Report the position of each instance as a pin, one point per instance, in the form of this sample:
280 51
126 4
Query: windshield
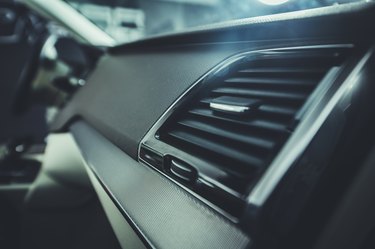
129 20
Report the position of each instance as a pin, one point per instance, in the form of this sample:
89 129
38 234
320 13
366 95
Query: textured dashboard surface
134 84
181 223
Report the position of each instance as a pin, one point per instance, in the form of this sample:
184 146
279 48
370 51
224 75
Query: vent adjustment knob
182 170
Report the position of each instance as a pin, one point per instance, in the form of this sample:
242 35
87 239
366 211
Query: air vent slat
294 61
280 110
286 82
282 70
315 57
233 135
261 94
277 109
205 144
253 123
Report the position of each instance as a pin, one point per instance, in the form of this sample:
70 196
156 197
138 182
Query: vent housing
225 133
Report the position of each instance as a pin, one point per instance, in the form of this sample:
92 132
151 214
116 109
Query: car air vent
224 135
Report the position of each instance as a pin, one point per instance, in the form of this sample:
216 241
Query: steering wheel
20 50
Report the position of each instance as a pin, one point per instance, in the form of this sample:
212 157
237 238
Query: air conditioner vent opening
236 122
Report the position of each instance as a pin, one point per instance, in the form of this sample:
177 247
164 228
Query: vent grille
236 121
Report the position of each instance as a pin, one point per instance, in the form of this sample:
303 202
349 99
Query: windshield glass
129 20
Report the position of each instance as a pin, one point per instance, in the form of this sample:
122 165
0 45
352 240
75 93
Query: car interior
253 132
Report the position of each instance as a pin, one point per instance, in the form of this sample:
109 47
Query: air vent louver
235 122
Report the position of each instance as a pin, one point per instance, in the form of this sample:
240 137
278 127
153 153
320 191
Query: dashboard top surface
134 84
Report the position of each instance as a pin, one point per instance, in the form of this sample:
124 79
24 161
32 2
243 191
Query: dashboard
244 134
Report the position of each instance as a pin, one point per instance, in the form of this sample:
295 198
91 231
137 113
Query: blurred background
129 20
